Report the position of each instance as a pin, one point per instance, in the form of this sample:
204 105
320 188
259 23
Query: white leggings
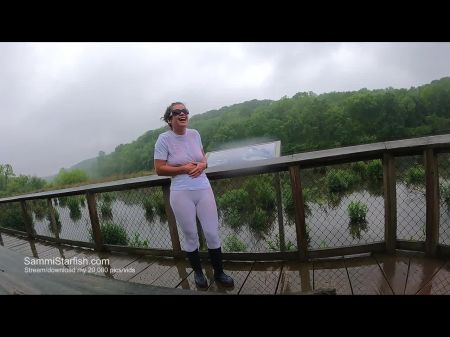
186 205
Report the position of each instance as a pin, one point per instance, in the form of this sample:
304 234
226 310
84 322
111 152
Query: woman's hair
167 115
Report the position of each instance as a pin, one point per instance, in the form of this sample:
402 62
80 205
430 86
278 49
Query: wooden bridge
401 260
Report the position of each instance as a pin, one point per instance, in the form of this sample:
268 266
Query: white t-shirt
178 150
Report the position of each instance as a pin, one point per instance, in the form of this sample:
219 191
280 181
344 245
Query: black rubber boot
199 277
216 261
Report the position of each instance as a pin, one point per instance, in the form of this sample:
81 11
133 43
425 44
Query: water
328 226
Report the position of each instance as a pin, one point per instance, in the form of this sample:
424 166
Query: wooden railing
428 147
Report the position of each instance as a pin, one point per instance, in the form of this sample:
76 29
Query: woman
179 154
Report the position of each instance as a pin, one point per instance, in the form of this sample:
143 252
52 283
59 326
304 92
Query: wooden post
28 220
95 223
53 223
390 203
171 220
276 182
432 202
300 224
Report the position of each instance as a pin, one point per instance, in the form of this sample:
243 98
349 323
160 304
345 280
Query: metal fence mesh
40 214
344 204
251 213
411 202
444 195
11 216
134 218
72 218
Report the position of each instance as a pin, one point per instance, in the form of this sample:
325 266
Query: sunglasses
178 112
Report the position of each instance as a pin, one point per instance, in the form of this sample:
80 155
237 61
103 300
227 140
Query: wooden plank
143 251
277 186
178 272
443 251
332 275
439 284
263 278
296 277
14 280
395 269
95 223
390 202
134 268
299 209
153 271
366 277
432 202
174 237
239 271
411 245
306 160
189 283
421 271
13 231
66 241
348 250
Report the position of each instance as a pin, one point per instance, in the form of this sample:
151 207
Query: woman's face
179 120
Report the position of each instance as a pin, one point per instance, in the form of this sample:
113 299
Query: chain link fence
344 204
444 195
72 218
411 198
252 216
135 218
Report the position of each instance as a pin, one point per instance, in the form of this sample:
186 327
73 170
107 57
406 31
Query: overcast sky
61 103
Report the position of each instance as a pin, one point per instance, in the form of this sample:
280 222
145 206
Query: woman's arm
164 169
200 166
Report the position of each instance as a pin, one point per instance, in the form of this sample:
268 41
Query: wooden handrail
412 146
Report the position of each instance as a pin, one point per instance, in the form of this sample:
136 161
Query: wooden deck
402 273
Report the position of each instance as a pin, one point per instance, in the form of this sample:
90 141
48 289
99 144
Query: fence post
390 203
276 182
28 220
53 223
299 209
432 202
95 223
171 220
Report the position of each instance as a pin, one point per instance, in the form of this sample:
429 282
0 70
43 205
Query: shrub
445 194
74 208
375 171
275 245
415 176
233 244
340 180
137 242
357 211
11 216
113 234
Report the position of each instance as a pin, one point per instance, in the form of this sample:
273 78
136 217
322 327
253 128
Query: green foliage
136 241
154 205
11 216
113 234
75 176
251 204
357 211
445 194
233 244
415 176
73 203
356 229
105 201
375 170
340 180
276 246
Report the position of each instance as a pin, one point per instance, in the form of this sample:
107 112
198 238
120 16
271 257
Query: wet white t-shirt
178 150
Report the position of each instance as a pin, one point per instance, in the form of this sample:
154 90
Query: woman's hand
198 168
